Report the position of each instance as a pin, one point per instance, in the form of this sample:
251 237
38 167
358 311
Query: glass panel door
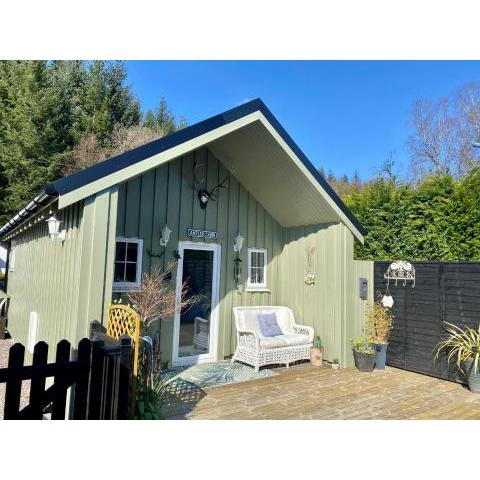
195 330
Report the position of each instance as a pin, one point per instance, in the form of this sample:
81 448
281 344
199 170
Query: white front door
195 336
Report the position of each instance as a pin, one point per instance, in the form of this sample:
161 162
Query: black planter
363 361
472 377
380 355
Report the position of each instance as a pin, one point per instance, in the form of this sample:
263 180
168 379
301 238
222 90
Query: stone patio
306 392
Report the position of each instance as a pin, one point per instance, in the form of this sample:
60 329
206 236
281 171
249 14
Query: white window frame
257 287
126 286
11 259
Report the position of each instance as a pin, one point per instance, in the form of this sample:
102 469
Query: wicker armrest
248 339
304 330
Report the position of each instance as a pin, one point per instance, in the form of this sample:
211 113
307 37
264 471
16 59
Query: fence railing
99 378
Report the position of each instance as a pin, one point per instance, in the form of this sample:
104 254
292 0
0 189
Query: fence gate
99 378
444 291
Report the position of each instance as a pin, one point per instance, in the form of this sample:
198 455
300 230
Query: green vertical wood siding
67 283
70 283
45 280
332 306
166 195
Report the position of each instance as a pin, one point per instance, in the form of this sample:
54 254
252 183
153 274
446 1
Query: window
257 269
128 264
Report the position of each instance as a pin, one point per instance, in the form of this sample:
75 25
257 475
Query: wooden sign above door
194 233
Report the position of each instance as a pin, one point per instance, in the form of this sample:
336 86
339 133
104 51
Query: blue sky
344 115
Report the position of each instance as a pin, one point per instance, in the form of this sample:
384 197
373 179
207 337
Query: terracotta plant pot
316 356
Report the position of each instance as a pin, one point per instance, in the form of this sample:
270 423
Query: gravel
4 349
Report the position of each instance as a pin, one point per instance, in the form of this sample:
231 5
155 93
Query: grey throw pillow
268 324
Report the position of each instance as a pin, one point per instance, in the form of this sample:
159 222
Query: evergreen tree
46 108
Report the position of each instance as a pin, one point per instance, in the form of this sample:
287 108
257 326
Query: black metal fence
444 291
99 379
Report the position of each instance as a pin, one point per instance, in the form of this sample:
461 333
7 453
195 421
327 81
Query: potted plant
463 345
363 354
336 364
379 325
316 353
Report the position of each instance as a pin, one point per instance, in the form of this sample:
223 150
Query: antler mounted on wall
204 195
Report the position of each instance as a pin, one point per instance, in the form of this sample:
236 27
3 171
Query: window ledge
257 289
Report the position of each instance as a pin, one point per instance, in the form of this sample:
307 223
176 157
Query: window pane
131 272
132 252
120 251
260 259
260 275
118 275
254 260
253 275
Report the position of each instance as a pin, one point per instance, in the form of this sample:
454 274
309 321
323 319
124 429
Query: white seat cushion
283 340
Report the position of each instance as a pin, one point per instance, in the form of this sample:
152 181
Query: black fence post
14 381
124 383
62 359
37 386
80 402
95 394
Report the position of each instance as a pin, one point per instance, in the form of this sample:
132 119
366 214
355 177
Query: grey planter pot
363 361
472 377
380 355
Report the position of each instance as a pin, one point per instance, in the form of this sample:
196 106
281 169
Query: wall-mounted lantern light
237 246
54 229
165 236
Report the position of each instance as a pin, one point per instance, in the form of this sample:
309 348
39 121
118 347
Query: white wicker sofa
254 349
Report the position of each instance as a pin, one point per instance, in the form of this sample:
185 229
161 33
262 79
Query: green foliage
363 345
438 219
462 344
48 108
147 407
336 361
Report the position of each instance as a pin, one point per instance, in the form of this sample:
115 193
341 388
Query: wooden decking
306 392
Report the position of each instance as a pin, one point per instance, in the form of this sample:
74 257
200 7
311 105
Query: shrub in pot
379 325
316 353
463 346
363 354
336 364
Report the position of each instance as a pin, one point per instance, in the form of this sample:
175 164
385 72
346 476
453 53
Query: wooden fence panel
444 291
37 385
99 379
14 384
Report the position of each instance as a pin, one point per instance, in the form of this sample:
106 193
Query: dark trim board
65 185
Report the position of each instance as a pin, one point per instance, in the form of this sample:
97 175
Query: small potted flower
463 345
316 353
379 325
336 364
363 354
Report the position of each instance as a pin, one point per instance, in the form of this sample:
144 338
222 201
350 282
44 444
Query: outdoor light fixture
165 236
54 229
237 246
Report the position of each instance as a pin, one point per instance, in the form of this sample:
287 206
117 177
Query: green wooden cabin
116 216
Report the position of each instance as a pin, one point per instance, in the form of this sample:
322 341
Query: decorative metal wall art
309 275
400 270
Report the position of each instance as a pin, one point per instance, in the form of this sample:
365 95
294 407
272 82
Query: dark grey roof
72 182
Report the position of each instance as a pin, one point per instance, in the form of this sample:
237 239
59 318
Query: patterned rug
209 375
